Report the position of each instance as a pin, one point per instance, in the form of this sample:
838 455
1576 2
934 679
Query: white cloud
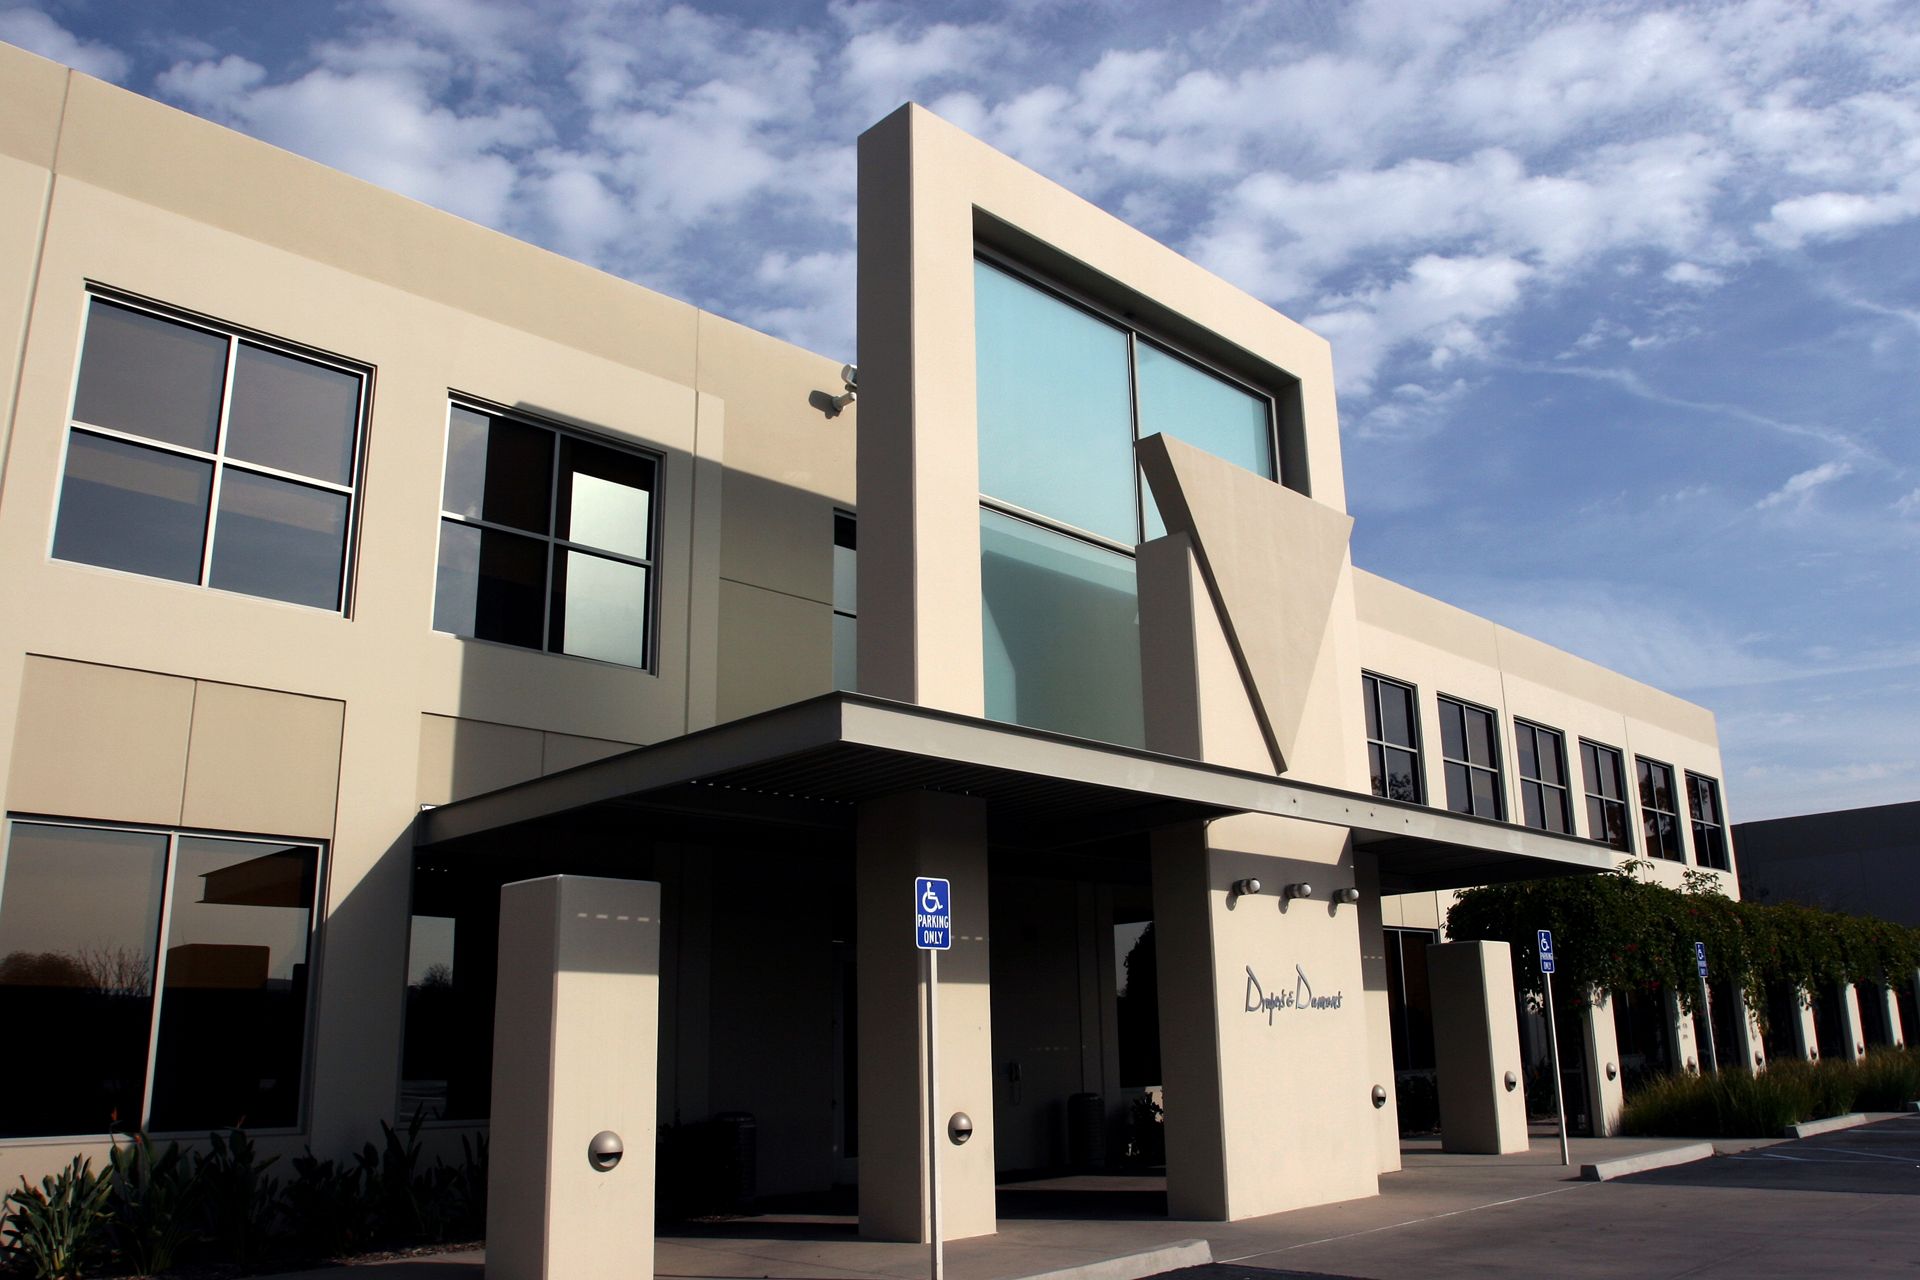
36 32
1800 486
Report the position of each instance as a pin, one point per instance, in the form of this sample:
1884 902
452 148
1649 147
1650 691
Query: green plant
54 1229
467 1191
409 1201
240 1206
1889 1080
154 1201
326 1208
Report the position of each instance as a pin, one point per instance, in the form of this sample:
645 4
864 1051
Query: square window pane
1062 633
278 539
293 415
125 506
499 470
1055 405
79 915
151 377
233 1009
491 585
599 608
606 498
1203 409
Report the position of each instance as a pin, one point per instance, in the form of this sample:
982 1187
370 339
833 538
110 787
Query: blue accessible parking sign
932 914
1545 939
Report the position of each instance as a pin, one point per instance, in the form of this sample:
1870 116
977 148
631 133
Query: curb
1607 1170
1813 1128
1135 1266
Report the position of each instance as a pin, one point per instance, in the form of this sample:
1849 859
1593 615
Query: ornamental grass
1743 1104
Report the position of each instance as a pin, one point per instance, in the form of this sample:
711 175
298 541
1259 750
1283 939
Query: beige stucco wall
133 699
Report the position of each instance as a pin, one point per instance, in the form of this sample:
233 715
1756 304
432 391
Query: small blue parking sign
1700 957
932 914
1545 938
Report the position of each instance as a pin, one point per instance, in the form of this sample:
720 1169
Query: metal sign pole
1559 1091
933 1114
1706 1003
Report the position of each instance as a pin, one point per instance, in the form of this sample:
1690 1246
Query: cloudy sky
1625 300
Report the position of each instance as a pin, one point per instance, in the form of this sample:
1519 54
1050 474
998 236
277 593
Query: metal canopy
811 763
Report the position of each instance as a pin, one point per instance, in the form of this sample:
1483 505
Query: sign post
1544 937
932 934
1706 1002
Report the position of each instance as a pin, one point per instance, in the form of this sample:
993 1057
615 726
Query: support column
923 833
1853 1036
1750 1048
1806 1035
575 1055
1605 1095
1890 1002
1686 1051
1476 1048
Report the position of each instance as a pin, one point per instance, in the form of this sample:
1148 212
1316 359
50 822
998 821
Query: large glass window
846 601
1606 780
1064 393
1061 622
1659 810
1393 744
1709 828
168 971
546 540
206 457
1470 746
1544 794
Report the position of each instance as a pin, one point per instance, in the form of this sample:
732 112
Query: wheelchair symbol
930 900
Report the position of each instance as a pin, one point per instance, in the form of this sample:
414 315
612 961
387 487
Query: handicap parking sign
1545 939
932 914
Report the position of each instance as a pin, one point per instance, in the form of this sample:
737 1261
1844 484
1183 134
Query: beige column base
1476 1046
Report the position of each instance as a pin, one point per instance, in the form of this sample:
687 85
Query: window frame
1593 797
1372 691
1495 768
1647 810
849 521
234 335
316 917
551 540
1718 826
1134 333
1564 786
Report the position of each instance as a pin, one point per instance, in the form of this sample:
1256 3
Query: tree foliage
1618 932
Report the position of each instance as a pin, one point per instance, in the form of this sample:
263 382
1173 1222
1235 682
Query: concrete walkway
1442 1215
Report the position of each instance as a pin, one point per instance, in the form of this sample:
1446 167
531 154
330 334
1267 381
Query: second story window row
1544 793
1606 780
1470 745
1393 747
1659 810
1709 827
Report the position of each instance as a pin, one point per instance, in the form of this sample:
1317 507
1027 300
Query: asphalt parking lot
1875 1159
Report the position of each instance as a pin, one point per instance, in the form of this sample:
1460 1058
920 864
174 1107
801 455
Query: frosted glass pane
151 377
1061 623
293 414
1180 399
1056 431
846 652
611 515
601 609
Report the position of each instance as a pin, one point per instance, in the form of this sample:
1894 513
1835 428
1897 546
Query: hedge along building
360 561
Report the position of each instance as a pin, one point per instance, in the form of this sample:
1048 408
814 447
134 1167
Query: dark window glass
846 601
233 1003
1659 820
1393 752
79 917
1543 795
293 415
1469 743
539 592
1409 999
1605 773
1709 828
278 539
125 506
151 377
148 507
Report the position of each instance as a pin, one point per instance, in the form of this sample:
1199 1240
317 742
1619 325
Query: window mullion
159 980
219 462
553 538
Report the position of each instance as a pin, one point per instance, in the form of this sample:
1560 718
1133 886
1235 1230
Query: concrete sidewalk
1051 1226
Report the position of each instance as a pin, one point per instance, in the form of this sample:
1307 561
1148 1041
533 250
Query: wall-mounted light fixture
1379 1096
1613 1072
849 374
1299 890
1348 895
1246 888
1512 1082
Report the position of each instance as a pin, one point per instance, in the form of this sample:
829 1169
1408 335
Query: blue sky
1625 300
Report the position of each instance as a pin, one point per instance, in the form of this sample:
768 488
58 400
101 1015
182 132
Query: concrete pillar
1373 968
1749 1049
1890 1002
1688 1054
1604 1092
1806 1035
1853 1036
575 1054
923 833
1476 1048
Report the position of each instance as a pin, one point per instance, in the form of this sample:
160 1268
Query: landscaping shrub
53 1231
1742 1104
